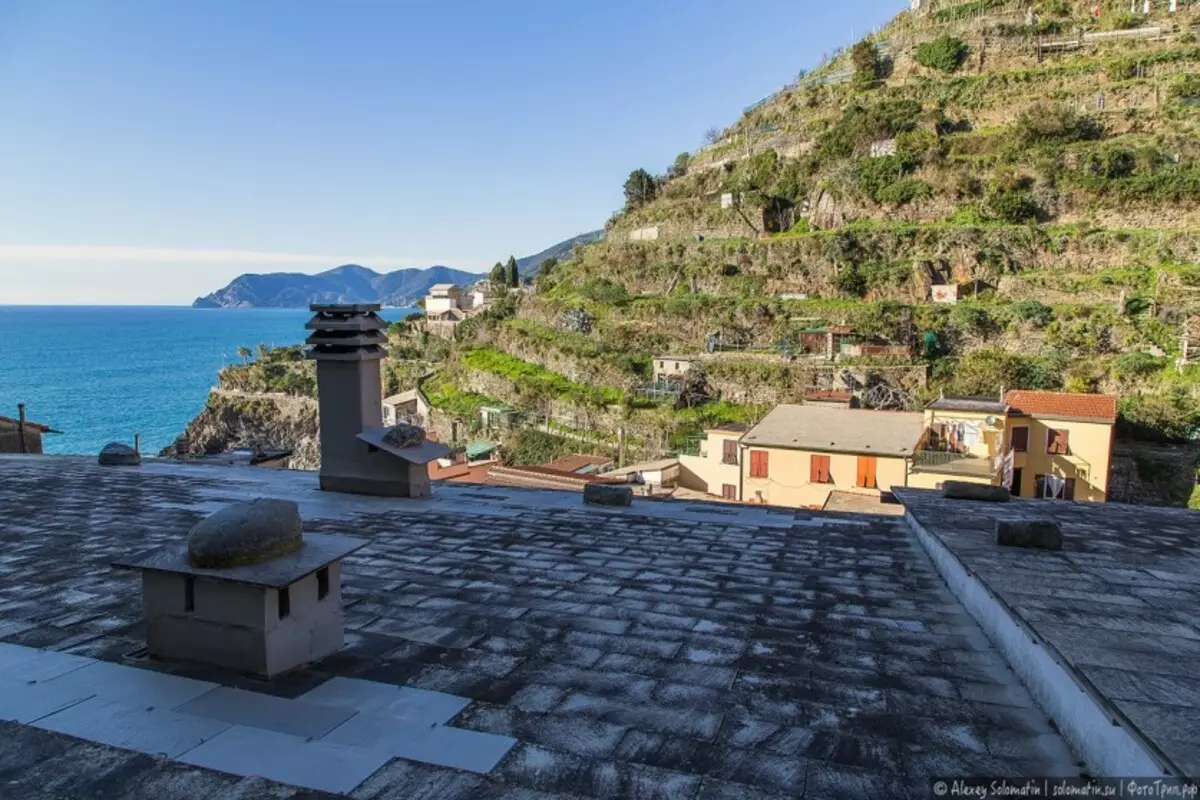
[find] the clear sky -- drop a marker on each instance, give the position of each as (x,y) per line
(152,150)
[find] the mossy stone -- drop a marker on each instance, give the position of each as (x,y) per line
(246,533)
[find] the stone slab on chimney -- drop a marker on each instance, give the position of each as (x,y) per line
(262,619)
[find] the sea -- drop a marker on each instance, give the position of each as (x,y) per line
(101,375)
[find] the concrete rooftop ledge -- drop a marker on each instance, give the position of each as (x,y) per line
(1105,634)
(669,650)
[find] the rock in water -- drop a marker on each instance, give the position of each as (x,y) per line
(602,494)
(1038,534)
(116,454)
(963,490)
(246,533)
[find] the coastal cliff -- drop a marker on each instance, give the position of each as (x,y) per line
(236,420)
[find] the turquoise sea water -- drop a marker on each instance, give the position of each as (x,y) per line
(104,374)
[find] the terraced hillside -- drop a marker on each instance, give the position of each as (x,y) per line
(1036,159)
(1039,158)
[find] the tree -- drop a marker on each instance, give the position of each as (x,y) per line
(496,277)
(512,277)
(712,136)
(945,53)
(679,167)
(865,58)
(244,353)
(640,189)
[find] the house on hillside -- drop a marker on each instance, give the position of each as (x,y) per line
(1047,445)
(446,306)
(410,408)
(797,455)
(443,297)
(22,436)
(673,368)
(716,468)
(652,476)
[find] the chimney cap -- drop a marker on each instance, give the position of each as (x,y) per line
(345,308)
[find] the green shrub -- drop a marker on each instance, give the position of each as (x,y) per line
(945,53)
(1033,312)
(1170,416)
(873,175)
(534,448)
(1186,87)
(850,279)
(860,125)
(971,319)
(1122,20)
(1053,124)
(867,64)
(904,191)
(1014,206)
(1136,365)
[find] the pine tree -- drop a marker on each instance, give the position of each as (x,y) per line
(511,273)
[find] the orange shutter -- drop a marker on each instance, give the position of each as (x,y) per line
(866,472)
(814,470)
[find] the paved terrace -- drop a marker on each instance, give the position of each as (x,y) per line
(671,650)
(1119,607)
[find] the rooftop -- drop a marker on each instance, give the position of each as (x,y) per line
(1119,607)
(1064,405)
(838,430)
(442,288)
(578,462)
(980,405)
(729,427)
(680,650)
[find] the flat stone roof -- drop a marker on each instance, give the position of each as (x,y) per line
(671,649)
(1119,607)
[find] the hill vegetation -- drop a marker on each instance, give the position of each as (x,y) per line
(1040,160)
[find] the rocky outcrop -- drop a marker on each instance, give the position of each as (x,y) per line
(234,420)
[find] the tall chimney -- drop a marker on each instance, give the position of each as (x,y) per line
(357,456)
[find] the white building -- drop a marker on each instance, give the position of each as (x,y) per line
(442,297)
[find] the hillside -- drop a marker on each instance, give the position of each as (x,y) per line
(1037,163)
(352,283)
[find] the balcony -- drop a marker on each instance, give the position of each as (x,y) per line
(949,463)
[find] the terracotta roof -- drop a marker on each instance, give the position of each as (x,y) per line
(461,473)
(829,395)
(1065,405)
(577,461)
(541,478)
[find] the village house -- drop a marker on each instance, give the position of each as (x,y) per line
(1046,445)
(446,306)
(673,368)
(797,455)
(411,408)
(581,464)
(716,469)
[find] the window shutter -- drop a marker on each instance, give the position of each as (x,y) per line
(1039,489)
(1020,439)
(1058,442)
(814,471)
(1069,489)
(763,463)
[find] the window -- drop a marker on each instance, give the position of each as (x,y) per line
(729,450)
(729,491)
(758,463)
(322,583)
(866,473)
(1058,442)
(285,603)
(1052,487)
(1020,439)
(819,470)
(1018,475)
(1069,489)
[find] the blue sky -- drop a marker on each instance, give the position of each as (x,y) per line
(150,151)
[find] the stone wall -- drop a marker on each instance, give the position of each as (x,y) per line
(1154,475)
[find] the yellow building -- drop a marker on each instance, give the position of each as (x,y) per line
(717,468)
(798,455)
(1050,445)
(1062,444)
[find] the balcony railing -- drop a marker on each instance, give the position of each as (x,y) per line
(965,463)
